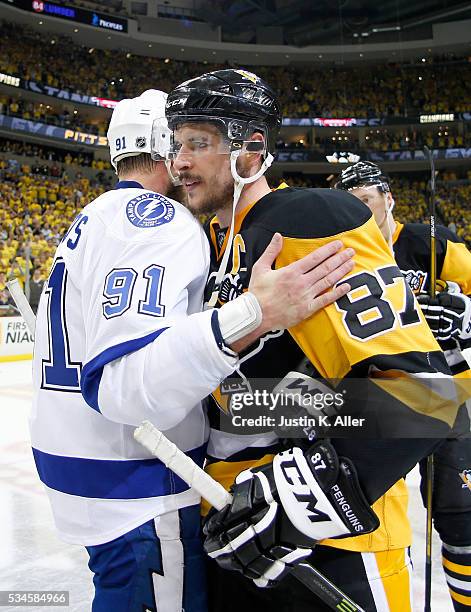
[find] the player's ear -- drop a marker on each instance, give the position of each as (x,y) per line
(256,143)
(254,150)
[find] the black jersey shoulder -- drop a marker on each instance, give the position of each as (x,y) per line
(421,231)
(308,213)
(446,234)
(413,245)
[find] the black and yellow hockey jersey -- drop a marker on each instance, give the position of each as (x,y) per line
(377,330)
(411,243)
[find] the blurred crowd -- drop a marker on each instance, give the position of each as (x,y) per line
(35,212)
(446,137)
(382,139)
(428,86)
(52,154)
(454,208)
(54,114)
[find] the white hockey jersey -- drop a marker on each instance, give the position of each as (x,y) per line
(120,338)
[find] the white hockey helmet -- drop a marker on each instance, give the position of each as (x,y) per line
(130,128)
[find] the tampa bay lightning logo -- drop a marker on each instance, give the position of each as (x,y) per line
(149,210)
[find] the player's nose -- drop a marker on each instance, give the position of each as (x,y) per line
(182,161)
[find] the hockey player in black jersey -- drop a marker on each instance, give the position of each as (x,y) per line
(290,504)
(449,317)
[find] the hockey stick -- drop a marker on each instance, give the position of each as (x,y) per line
(429,470)
(211,490)
(22,304)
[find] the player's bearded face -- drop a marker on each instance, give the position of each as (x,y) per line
(203,167)
(376,201)
(176,192)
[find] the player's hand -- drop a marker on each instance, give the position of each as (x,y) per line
(448,315)
(295,292)
(281,510)
(245,536)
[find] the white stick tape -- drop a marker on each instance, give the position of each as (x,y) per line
(176,460)
(22,304)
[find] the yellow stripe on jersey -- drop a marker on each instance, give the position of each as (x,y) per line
(463,385)
(439,398)
(457,266)
(397,231)
(238,220)
(222,400)
(329,328)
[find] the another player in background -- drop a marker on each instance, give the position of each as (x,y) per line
(449,317)
(224,127)
(120,337)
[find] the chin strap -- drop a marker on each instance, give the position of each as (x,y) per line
(176,182)
(390,224)
(239,184)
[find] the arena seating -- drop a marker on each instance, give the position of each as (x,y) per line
(438,85)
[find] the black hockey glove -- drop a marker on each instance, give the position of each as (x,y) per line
(448,315)
(281,510)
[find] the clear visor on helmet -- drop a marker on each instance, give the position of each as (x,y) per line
(199,136)
(203,135)
(160,139)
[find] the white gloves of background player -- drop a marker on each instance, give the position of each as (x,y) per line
(448,314)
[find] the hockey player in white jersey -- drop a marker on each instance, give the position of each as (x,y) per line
(120,337)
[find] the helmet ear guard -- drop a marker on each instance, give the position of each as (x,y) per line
(255,146)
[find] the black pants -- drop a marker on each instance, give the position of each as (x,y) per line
(451,507)
(350,571)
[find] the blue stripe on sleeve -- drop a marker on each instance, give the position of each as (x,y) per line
(217,330)
(93,370)
(111,479)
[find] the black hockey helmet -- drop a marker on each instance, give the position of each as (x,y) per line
(363,174)
(241,99)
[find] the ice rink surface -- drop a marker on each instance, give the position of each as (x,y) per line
(34,559)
